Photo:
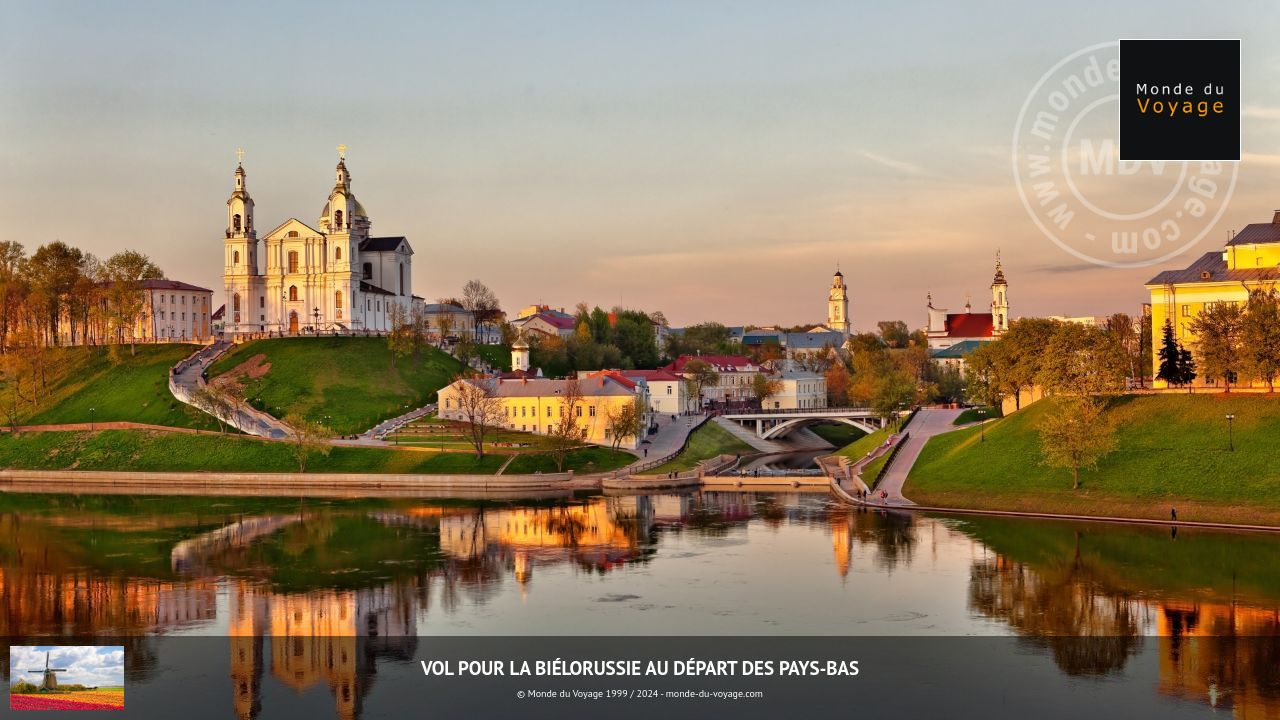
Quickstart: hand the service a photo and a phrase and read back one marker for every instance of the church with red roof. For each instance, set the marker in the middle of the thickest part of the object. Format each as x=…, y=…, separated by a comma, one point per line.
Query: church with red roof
x=946, y=329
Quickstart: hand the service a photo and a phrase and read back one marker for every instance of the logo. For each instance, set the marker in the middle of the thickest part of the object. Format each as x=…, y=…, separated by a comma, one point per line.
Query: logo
x=1078, y=191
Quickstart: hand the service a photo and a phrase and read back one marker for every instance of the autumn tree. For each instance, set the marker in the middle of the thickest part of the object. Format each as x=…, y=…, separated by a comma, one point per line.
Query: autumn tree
x=698, y=376
x=1260, y=336
x=212, y=402
x=764, y=387
x=837, y=377
x=624, y=421
x=124, y=274
x=1081, y=360
x=1219, y=347
x=1076, y=435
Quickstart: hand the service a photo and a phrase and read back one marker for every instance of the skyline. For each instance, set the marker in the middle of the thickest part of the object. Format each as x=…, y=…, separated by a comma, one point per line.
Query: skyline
x=667, y=157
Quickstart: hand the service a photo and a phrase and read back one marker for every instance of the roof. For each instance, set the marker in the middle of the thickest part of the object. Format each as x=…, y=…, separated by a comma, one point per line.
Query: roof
x=382, y=244
x=969, y=325
x=369, y=287
x=720, y=362
x=1258, y=233
x=1209, y=268
x=658, y=375
x=613, y=375
x=557, y=320
x=442, y=308
x=217, y=314
x=172, y=285
x=813, y=340
x=959, y=350
x=603, y=385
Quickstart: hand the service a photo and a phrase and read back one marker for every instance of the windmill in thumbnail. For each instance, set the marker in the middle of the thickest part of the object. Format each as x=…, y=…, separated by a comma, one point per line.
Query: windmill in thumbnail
x=50, y=681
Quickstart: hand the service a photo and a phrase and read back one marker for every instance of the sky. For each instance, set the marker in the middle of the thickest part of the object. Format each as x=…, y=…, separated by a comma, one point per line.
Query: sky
x=90, y=665
x=712, y=160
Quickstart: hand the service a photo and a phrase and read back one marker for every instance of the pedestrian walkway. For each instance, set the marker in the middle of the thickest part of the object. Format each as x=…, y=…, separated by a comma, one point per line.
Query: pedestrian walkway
x=669, y=439
x=188, y=376
x=926, y=423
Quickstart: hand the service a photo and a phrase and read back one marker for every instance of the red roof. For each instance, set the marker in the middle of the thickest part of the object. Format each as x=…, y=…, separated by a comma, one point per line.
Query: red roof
x=658, y=375
x=719, y=362
x=969, y=325
x=612, y=375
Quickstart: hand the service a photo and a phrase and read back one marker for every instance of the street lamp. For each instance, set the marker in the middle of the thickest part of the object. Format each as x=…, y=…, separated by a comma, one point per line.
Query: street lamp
x=315, y=326
x=982, y=426
x=91, y=419
x=1231, y=445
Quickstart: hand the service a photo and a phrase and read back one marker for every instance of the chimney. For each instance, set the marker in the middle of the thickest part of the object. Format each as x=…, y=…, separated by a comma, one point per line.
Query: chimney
x=1275, y=219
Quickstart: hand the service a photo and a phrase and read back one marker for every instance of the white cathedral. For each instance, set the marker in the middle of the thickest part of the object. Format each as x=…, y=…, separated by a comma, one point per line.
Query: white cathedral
x=336, y=278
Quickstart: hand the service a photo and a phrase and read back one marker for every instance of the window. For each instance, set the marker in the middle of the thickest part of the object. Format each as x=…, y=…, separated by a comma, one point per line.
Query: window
x=401, y=278
x=262, y=301
x=293, y=293
x=591, y=411
x=337, y=219
x=579, y=410
x=337, y=253
x=1186, y=311
x=337, y=299
x=293, y=261
x=235, y=302
x=548, y=411
x=235, y=222
x=235, y=258
x=367, y=271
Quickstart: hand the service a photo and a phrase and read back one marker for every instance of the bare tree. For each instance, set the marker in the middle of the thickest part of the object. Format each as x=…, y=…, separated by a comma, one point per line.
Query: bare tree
x=309, y=438
x=566, y=433
x=479, y=408
x=214, y=403
x=624, y=422
x=481, y=302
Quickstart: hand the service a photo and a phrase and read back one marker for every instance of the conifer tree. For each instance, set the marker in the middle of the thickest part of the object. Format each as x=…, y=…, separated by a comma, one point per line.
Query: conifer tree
x=1170, y=356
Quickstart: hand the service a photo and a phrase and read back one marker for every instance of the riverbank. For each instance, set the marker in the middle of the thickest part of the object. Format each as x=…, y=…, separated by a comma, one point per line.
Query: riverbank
x=1172, y=451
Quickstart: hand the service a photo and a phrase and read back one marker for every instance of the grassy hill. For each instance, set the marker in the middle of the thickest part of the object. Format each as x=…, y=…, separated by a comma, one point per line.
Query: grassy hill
x=132, y=388
x=706, y=442
x=347, y=384
x=1171, y=451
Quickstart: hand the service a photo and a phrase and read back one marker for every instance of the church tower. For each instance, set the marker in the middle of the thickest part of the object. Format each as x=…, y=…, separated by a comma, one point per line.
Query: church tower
x=838, y=305
x=240, y=248
x=999, y=301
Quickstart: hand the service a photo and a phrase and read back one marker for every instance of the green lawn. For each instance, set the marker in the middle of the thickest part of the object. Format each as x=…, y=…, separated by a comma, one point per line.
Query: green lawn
x=585, y=460
x=498, y=356
x=838, y=434
x=159, y=452
x=873, y=467
x=707, y=441
x=864, y=445
x=1171, y=451
x=89, y=386
x=972, y=415
x=347, y=384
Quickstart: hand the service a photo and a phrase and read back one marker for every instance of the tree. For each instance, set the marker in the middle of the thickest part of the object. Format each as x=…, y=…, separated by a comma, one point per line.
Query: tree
x=13, y=288
x=764, y=387
x=894, y=391
x=627, y=420
x=981, y=383
x=309, y=438
x=1186, y=367
x=894, y=333
x=837, y=385
x=1081, y=360
x=214, y=403
x=1170, y=356
x=1260, y=336
x=126, y=297
x=479, y=407
x=1218, y=347
x=54, y=270
x=1120, y=327
x=565, y=433
x=698, y=375
x=1075, y=435
x=481, y=302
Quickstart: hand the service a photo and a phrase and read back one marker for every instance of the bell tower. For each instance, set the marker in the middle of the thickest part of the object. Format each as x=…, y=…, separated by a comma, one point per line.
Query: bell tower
x=241, y=242
x=999, y=301
x=838, y=305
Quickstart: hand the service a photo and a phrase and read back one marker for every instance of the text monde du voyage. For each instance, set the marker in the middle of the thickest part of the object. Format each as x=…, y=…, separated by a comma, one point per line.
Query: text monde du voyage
x=1180, y=99
x=560, y=667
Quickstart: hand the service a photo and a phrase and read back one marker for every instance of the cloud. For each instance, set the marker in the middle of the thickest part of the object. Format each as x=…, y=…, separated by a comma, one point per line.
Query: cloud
x=91, y=665
x=900, y=165
x=1261, y=112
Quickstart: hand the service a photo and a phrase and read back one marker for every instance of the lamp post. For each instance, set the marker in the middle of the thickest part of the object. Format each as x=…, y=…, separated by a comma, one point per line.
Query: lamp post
x=91, y=419
x=982, y=426
x=1231, y=445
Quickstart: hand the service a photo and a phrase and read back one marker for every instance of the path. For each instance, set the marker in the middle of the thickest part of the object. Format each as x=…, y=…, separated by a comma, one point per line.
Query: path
x=188, y=375
x=926, y=423
x=670, y=438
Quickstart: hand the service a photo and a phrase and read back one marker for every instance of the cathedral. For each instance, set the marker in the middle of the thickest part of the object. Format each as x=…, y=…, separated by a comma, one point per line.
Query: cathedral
x=963, y=330
x=334, y=277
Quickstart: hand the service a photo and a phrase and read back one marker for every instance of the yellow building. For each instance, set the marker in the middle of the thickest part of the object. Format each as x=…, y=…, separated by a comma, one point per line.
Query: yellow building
x=537, y=404
x=1248, y=261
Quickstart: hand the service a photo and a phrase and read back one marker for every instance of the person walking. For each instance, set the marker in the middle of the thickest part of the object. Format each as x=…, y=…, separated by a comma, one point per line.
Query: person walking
x=1173, y=514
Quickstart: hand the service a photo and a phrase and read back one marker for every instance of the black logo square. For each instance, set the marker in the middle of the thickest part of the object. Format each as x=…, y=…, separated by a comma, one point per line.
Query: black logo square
x=1180, y=100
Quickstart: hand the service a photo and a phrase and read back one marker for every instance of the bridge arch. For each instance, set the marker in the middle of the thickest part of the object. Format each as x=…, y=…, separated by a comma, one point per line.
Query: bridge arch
x=785, y=428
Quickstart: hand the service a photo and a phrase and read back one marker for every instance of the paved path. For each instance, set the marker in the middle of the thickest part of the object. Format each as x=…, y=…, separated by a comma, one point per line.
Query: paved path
x=188, y=376
x=669, y=438
x=926, y=423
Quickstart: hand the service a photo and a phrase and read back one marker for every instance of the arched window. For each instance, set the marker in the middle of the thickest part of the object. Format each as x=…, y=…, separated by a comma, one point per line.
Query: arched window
x=235, y=302
x=235, y=222
x=337, y=219
x=293, y=293
x=337, y=253
x=235, y=257
x=293, y=261
x=401, y=278
x=337, y=299
x=368, y=271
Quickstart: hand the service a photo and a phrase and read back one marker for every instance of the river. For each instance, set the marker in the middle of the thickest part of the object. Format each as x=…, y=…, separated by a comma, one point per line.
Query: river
x=703, y=563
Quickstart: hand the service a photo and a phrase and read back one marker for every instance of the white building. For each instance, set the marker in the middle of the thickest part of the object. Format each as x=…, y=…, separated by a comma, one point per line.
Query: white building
x=333, y=277
x=800, y=389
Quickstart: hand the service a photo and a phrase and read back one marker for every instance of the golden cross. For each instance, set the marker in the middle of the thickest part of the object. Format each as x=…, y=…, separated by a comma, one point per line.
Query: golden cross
x=239, y=155
x=342, y=152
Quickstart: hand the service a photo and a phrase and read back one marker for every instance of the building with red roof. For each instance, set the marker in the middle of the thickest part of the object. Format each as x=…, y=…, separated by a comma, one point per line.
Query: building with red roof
x=947, y=329
x=734, y=377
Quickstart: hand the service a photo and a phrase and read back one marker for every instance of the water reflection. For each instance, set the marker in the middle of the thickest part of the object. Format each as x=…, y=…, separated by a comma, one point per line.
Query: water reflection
x=316, y=594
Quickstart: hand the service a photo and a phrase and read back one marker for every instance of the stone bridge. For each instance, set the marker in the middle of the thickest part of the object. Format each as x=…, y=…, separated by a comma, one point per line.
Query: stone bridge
x=773, y=424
